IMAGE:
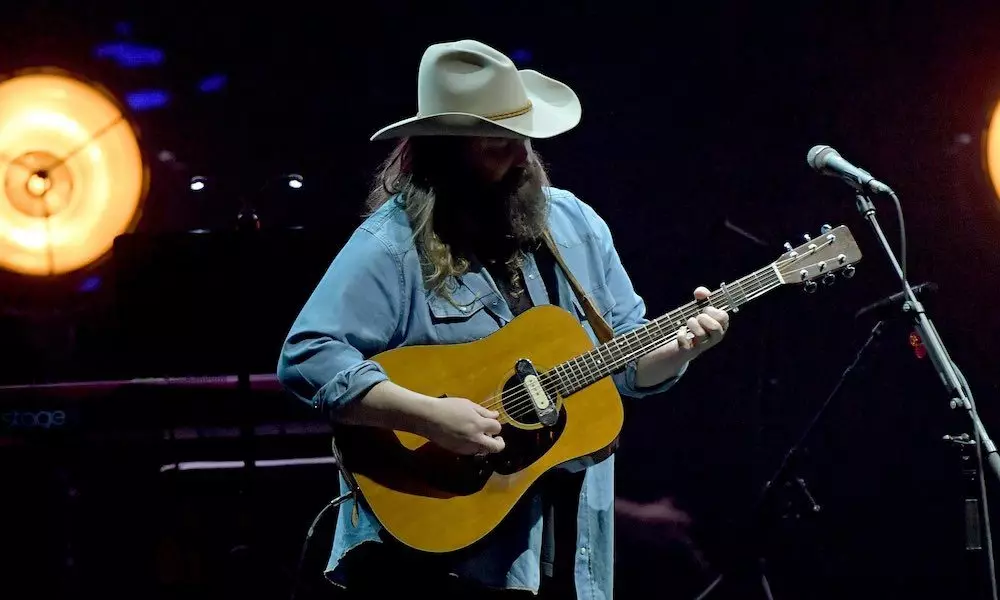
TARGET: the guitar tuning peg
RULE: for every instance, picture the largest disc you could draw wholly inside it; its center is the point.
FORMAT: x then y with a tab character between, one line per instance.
810	287
806	237
848	272
825	228
788	247
829	279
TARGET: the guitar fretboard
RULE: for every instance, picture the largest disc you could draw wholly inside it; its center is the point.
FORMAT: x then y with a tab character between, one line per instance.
613	355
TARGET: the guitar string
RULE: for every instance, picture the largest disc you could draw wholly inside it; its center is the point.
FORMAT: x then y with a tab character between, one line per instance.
635	346
639	347
564	373
521	405
521	397
523	408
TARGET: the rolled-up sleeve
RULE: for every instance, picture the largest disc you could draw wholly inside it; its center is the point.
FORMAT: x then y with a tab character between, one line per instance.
351	315
629	310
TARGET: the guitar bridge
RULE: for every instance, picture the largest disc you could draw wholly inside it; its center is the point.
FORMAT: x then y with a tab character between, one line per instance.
545	407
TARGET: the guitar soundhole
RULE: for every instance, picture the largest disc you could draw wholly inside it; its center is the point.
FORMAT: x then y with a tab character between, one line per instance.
526	440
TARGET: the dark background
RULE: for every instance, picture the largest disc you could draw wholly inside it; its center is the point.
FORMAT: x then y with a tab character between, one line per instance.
693	117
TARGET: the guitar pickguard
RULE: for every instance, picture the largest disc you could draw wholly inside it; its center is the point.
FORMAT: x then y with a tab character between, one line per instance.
525	446
525	439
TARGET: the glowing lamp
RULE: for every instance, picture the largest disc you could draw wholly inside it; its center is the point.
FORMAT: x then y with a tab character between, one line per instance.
993	149
72	176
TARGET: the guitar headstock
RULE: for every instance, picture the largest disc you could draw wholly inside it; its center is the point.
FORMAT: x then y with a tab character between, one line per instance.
833	250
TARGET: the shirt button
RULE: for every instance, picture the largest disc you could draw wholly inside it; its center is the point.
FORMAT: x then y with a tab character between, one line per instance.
532	276
495	303
464	308
583	551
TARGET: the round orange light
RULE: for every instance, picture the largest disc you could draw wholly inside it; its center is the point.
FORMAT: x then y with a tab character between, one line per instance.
993	149
72	176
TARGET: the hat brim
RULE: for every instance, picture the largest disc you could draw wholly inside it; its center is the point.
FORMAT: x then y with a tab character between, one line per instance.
555	109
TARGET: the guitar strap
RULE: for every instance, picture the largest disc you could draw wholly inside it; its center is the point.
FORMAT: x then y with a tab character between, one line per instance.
601	327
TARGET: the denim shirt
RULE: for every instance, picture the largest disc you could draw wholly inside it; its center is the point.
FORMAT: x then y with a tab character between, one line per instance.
373	298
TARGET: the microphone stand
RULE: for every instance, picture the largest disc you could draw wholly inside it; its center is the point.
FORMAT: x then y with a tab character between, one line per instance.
954	382
960	395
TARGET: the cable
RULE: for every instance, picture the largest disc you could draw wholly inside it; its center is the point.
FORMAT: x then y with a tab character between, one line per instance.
902	233
297	580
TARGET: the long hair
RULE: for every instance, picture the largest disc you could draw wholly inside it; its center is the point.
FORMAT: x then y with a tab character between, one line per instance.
416	173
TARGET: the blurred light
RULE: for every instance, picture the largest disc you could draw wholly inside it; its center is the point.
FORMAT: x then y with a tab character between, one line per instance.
521	55
198	183
147	99
74	176
130	56
993	149
213	83
295	181
90	284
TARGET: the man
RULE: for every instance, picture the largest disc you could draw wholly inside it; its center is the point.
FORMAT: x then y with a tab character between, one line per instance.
450	252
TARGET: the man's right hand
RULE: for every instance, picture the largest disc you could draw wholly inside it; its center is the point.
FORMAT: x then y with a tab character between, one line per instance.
464	427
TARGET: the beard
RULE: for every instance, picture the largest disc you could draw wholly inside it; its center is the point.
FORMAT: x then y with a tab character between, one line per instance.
492	220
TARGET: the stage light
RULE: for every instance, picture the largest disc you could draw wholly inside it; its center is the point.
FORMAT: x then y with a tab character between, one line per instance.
213	83
295	181
993	150
72	175
90	284
147	99
198	183
130	55
521	56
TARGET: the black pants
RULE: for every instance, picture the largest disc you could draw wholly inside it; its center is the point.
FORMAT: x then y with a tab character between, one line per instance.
376	575
389	568
377	570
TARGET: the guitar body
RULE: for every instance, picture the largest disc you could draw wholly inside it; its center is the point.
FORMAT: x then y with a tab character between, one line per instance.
436	501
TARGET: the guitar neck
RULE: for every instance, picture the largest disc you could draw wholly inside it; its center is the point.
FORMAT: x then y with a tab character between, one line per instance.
609	357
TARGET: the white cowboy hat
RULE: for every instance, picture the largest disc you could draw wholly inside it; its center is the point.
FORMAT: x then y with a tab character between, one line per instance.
467	88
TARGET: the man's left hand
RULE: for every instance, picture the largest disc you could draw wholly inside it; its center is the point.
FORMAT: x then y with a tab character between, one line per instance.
704	331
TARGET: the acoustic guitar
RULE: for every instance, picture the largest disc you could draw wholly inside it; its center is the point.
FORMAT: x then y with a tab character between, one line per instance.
556	399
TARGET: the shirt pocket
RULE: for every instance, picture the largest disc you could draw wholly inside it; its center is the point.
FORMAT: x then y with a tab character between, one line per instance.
461	318
569	238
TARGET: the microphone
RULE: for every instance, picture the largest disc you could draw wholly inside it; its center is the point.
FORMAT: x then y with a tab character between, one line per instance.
898	298
828	161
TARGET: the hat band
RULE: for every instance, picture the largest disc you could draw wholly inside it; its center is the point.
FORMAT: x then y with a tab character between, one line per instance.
509	114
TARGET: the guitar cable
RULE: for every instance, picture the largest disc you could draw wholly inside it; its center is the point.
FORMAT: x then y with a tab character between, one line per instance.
335	503
297	578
